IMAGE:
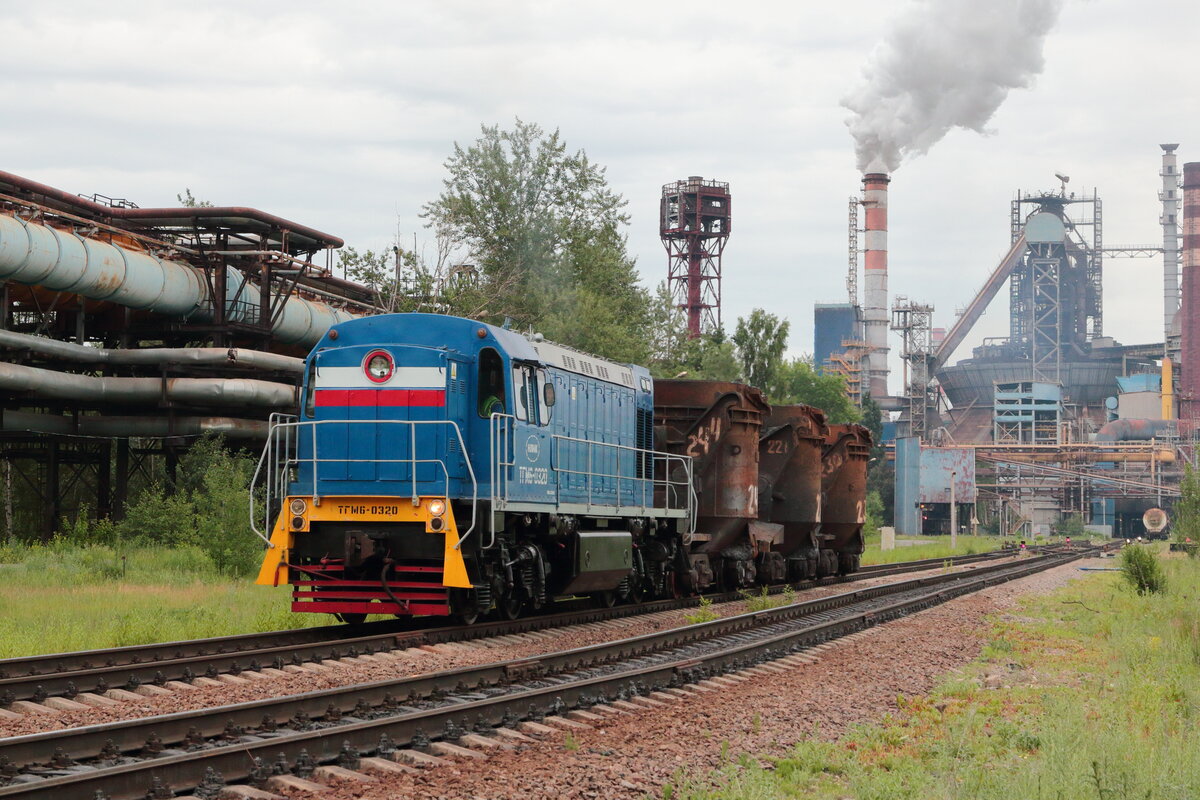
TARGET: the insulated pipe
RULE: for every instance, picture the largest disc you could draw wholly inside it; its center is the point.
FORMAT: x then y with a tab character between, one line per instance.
1132	430
875	294
1189	362
39	255
121	427
197	391
208	356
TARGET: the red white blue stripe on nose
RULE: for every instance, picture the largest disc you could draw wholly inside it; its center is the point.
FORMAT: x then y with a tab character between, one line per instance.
408	387
373	398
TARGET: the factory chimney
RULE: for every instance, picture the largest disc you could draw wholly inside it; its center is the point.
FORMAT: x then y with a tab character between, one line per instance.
1169	196
875	294
1190	319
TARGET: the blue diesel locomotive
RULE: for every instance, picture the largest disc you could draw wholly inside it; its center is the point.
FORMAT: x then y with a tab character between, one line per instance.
442	466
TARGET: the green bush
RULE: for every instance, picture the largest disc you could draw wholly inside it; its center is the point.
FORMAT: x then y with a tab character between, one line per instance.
1141	570
206	511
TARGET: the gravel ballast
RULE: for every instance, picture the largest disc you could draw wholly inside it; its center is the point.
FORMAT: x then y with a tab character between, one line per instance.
631	756
398	665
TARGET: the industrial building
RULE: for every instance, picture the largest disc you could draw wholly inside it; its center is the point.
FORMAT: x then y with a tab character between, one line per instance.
129	332
1059	416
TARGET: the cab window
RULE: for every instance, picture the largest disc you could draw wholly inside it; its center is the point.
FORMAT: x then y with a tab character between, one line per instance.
491	383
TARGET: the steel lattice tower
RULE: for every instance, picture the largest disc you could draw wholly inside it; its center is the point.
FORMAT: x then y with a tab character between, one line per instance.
694	222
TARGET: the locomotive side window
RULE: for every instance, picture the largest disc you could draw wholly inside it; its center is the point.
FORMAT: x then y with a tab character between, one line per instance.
521	393
526	393
491	383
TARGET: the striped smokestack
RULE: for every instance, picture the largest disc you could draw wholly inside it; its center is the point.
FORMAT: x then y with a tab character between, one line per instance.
1189	308
875	295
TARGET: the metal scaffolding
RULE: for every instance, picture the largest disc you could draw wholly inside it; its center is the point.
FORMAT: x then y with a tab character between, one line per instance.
694	224
914	322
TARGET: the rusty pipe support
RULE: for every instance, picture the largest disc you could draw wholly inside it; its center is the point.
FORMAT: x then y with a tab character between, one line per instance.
150	215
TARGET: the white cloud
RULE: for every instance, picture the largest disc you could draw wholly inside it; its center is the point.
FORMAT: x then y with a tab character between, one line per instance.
340	116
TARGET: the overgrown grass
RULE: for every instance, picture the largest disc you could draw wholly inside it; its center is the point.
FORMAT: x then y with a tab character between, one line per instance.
60	597
703	613
939	547
1091	692
1142	570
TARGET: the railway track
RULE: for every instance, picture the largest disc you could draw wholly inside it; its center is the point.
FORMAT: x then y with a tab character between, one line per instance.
81	675
294	735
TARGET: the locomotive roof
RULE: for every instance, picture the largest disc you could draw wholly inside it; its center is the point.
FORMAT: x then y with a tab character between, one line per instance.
565	358
517	345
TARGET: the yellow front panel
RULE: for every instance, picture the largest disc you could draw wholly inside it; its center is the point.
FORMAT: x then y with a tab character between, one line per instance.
363	509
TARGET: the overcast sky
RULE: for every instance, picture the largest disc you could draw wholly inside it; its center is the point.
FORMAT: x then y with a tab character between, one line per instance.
340	116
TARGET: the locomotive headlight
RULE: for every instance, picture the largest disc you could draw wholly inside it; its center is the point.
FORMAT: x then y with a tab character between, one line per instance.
437	507
378	366
298	506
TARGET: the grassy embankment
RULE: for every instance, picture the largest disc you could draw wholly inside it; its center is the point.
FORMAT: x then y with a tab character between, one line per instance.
938	547
61	597
1090	692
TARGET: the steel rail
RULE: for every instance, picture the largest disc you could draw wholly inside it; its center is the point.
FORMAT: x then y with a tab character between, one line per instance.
246	757
67	674
193	727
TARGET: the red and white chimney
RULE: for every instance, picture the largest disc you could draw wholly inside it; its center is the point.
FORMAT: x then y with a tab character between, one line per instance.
875	294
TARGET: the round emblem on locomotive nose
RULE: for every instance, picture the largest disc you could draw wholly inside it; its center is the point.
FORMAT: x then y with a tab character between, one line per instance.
533	448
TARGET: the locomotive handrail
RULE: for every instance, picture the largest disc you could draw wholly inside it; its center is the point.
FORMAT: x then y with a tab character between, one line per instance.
500	442
276	473
286	458
671	487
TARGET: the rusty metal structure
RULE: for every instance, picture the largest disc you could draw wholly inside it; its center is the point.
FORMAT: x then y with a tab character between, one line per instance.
849	363
780	497
718	425
694	223
127	332
844	462
789	484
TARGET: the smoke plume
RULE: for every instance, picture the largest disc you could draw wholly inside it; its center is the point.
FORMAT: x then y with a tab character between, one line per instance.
944	64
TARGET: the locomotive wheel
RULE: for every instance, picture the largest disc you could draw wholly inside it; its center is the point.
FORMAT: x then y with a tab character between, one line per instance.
463	606
605	599
637	591
352	619
511	606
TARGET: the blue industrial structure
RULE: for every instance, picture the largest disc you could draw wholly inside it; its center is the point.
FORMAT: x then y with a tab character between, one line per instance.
924	480
833	323
1027	412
